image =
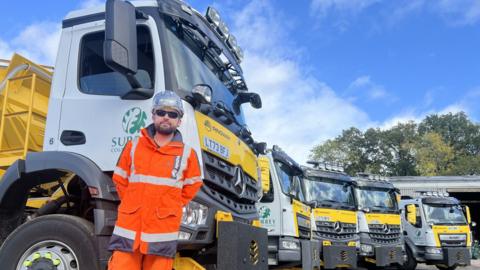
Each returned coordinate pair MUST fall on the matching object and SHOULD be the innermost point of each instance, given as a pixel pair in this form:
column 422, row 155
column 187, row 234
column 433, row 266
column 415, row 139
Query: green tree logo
column 264, row 212
column 134, row 120
column 208, row 126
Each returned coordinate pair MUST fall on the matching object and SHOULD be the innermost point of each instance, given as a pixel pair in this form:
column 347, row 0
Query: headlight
column 433, row 250
column 289, row 244
column 259, row 184
column 194, row 214
column 184, row 235
column 366, row 248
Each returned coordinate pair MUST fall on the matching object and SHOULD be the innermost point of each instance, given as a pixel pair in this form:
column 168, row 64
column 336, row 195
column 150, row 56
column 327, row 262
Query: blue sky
column 321, row 65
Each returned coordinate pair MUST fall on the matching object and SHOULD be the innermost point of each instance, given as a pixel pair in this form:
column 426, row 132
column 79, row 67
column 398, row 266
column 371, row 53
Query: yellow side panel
column 221, row 142
column 335, row 215
column 302, row 209
column 185, row 263
column 378, row 218
column 464, row 229
column 23, row 108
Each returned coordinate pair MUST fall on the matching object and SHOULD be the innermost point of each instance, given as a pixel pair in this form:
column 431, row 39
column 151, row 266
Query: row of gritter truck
column 357, row 221
column 62, row 129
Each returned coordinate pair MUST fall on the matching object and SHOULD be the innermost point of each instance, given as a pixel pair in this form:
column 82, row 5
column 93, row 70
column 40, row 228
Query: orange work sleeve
column 192, row 178
column 122, row 170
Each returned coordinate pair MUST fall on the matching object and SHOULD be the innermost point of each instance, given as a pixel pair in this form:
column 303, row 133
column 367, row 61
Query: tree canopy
column 447, row 144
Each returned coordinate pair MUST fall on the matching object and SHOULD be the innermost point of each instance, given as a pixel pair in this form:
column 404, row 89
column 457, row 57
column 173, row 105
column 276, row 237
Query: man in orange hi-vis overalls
column 156, row 175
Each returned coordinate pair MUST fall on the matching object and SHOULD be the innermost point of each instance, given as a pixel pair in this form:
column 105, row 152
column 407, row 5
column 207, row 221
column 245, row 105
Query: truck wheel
column 411, row 263
column 52, row 242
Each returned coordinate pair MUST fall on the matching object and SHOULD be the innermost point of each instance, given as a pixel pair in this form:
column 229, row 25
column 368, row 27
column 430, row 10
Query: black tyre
column 57, row 242
column 411, row 263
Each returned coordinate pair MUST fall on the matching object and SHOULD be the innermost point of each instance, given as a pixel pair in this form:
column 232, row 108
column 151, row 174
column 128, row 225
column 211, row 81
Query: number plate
column 216, row 147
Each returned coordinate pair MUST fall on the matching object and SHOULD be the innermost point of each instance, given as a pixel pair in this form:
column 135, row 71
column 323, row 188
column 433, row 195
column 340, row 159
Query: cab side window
column 96, row 78
column 417, row 213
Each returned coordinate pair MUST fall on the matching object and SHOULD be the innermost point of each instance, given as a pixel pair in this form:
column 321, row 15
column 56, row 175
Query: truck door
column 95, row 121
column 416, row 232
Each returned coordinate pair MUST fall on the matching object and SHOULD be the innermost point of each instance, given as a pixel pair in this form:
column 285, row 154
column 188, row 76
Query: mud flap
column 386, row 256
column 310, row 254
column 241, row 247
column 457, row 256
column 339, row 256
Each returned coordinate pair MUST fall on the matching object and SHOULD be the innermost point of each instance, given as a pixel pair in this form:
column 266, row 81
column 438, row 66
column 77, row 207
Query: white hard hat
column 167, row 99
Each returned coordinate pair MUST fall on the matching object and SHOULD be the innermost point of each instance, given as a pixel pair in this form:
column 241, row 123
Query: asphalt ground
column 475, row 265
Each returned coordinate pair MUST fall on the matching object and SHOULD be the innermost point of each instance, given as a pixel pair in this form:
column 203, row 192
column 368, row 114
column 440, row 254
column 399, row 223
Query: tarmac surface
column 475, row 265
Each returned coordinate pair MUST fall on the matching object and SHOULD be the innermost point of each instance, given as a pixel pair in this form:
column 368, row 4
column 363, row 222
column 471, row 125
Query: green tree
column 438, row 145
column 433, row 155
column 347, row 149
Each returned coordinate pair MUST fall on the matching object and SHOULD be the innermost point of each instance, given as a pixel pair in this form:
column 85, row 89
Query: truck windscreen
column 376, row 199
column 324, row 190
column 444, row 214
column 193, row 64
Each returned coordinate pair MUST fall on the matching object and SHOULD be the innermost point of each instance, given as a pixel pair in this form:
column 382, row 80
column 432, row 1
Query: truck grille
column 335, row 230
column 226, row 178
column 385, row 233
column 453, row 240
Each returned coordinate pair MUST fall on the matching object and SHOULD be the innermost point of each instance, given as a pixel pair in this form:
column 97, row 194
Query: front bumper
column 307, row 255
column 382, row 254
column 451, row 256
column 336, row 255
column 242, row 247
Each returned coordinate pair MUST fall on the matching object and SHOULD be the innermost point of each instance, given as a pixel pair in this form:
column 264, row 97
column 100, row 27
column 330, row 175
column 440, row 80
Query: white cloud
column 373, row 90
column 361, row 81
column 38, row 42
column 323, row 7
column 462, row 12
column 5, row 50
column 455, row 12
column 418, row 116
column 298, row 110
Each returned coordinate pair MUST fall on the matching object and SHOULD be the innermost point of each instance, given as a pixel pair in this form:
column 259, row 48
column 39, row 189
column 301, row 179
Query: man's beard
column 164, row 130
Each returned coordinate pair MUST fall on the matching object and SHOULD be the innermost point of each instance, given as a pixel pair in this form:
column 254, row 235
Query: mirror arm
column 132, row 80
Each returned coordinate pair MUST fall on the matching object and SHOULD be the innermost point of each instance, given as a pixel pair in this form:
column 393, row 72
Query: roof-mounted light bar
column 326, row 166
column 213, row 16
column 372, row 177
column 434, row 193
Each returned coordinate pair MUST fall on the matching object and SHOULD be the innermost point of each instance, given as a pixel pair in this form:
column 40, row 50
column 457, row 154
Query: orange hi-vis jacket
column 153, row 184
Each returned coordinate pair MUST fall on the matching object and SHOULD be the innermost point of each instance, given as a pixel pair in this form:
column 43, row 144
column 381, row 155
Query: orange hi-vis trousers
column 137, row 261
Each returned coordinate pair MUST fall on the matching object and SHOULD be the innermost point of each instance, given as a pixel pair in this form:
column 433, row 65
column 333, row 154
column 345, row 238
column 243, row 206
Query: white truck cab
column 437, row 230
column 379, row 222
column 330, row 191
column 285, row 214
column 111, row 61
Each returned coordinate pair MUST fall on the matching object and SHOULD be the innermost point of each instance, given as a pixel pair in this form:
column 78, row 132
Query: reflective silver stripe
column 158, row 237
column 132, row 154
column 120, row 172
column 193, row 180
column 176, row 167
column 124, row 232
column 186, row 154
column 148, row 179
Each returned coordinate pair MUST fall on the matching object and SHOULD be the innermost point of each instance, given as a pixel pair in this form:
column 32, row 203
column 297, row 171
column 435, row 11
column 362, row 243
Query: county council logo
column 134, row 120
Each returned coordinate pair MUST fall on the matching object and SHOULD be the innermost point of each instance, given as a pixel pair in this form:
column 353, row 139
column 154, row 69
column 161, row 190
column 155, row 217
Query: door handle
column 72, row 137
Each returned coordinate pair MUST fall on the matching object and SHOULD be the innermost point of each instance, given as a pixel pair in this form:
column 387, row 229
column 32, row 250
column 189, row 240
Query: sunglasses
column 171, row 115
